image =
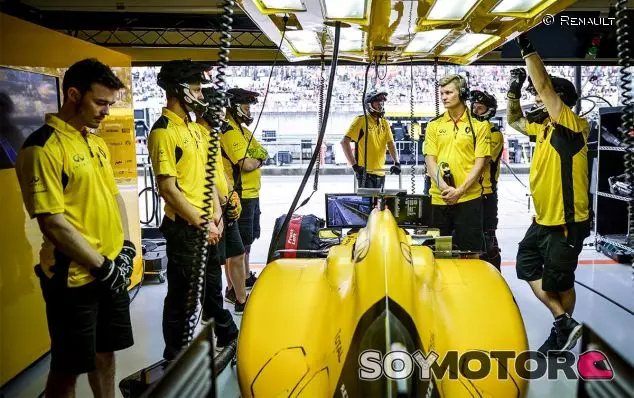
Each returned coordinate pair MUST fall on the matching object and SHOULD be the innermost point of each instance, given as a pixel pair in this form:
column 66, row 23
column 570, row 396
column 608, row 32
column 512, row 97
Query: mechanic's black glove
column 112, row 275
column 358, row 170
column 525, row 45
column 125, row 259
column 518, row 77
column 396, row 169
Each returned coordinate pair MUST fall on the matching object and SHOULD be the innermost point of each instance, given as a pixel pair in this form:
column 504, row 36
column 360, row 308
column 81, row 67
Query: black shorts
column 463, row 221
column 490, row 211
column 249, row 221
column 83, row 321
column 231, row 243
column 546, row 253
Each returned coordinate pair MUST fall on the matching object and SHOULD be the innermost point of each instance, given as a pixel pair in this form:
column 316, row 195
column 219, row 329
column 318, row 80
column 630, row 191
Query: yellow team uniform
column 220, row 180
column 456, row 145
column 380, row 135
column 179, row 149
column 62, row 171
column 559, row 170
column 234, row 143
column 492, row 169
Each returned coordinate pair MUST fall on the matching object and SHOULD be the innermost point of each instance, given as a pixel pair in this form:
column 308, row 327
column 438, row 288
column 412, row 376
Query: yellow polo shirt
column 61, row 170
column 559, row 169
column 234, row 143
column 492, row 169
column 380, row 135
column 457, row 145
column 179, row 149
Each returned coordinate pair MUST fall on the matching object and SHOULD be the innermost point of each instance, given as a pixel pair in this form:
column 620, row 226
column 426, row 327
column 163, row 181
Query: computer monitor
column 410, row 211
column 348, row 210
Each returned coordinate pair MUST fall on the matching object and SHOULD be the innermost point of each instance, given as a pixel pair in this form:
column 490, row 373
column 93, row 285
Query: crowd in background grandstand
column 296, row 88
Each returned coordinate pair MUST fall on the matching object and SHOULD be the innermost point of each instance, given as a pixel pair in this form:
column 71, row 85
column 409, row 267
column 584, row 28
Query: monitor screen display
column 347, row 210
column 352, row 211
column 25, row 99
column 410, row 210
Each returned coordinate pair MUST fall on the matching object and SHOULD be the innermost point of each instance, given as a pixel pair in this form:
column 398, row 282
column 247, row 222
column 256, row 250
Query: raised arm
column 514, row 113
column 540, row 79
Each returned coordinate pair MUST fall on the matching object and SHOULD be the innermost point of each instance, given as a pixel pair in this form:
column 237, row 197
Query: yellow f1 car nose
column 325, row 327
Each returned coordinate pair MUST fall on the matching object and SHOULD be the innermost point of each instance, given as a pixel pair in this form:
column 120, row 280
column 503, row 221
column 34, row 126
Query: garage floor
column 605, row 290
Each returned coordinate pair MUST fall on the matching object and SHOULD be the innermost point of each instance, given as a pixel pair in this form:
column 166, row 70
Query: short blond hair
column 456, row 79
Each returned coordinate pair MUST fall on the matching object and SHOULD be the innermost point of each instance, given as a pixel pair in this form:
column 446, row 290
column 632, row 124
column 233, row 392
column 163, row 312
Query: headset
column 463, row 87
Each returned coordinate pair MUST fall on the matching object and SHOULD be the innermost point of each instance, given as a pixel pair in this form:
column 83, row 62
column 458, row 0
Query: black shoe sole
column 573, row 337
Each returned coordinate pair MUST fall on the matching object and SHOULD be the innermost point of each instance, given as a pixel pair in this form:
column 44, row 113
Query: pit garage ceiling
column 153, row 31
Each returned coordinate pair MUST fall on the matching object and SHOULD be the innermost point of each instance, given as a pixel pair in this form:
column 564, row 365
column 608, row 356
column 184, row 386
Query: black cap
column 374, row 95
column 242, row 96
column 182, row 71
column 563, row 87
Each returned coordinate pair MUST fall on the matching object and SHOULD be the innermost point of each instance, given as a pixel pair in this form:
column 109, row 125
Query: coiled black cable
column 623, row 30
column 411, row 122
column 322, row 131
column 196, row 283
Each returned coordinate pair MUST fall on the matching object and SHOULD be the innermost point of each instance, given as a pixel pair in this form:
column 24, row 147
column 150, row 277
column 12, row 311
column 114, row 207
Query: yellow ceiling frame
column 385, row 29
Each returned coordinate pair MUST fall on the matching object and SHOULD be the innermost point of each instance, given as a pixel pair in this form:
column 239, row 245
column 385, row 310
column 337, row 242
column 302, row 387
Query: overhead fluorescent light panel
column 304, row 41
column 345, row 9
column 351, row 39
column 424, row 42
column 466, row 44
column 450, row 10
column 506, row 6
column 281, row 5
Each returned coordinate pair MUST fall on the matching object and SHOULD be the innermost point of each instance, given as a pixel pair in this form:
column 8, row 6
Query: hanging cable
column 365, row 115
column 156, row 199
column 322, row 132
column 623, row 30
column 322, row 89
column 196, row 283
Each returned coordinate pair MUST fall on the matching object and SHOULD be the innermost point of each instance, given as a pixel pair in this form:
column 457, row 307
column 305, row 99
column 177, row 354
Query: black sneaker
column 221, row 344
column 250, row 281
column 238, row 308
column 568, row 332
column 230, row 296
column 550, row 344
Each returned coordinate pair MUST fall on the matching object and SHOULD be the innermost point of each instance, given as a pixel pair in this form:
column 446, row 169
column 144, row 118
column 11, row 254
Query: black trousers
column 463, row 221
column 183, row 257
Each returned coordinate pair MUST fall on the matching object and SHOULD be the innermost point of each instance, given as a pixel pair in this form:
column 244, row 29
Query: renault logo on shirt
column 467, row 130
column 78, row 158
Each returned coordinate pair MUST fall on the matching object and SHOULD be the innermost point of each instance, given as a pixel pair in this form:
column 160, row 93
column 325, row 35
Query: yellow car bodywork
column 308, row 320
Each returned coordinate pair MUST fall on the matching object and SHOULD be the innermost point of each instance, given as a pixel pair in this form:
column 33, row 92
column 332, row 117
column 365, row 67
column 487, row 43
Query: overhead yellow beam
column 149, row 55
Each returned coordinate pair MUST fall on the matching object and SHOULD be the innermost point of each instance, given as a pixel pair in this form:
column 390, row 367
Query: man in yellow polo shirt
column 231, row 246
column 370, row 173
column 242, row 158
column 178, row 152
column 484, row 106
column 86, row 259
column 547, row 256
column 458, row 144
